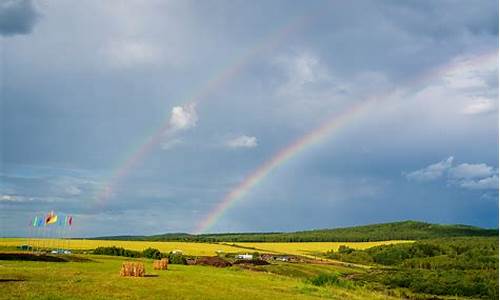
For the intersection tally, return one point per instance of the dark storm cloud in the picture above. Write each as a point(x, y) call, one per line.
point(17, 17)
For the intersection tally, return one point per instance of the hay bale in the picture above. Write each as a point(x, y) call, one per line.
point(135, 269)
point(160, 264)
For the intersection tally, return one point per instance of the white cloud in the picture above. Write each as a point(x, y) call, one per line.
point(183, 117)
point(466, 171)
point(243, 141)
point(480, 106)
point(431, 172)
point(7, 198)
point(301, 70)
point(17, 199)
point(471, 73)
point(468, 176)
point(487, 183)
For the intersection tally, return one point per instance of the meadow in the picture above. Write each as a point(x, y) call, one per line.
point(447, 268)
point(99, 279)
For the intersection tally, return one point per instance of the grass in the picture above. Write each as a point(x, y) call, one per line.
point(100, 280)
point(306, 271)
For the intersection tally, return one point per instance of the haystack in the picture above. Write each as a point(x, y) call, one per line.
point(135, 269)
point(160, 264)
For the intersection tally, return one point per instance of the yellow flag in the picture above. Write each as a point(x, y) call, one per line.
point(51, 219)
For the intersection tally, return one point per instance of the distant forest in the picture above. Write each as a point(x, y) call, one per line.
point(406, 230)
point(461, 266)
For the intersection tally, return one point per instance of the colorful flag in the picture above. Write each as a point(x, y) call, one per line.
point(35, 221)
point(60, 220)
point(51, 219)
point(70, 220)
point(40, 222)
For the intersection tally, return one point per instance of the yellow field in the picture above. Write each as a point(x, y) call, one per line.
point(201, 249)
point(312, 247)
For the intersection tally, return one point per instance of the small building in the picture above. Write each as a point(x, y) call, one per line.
point(244, 256)
point(282, 258)
point(177, 252)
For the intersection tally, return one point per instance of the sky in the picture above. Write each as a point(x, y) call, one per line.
point(141, 117)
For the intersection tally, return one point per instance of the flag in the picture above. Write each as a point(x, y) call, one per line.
point(61, 220)
point(40, 222)
point(51, 219)
point(70, 220)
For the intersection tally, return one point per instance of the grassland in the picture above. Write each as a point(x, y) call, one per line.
point(439, 269)
point(197, 249)
point(100, 280)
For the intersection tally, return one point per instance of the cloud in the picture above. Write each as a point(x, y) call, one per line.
point(469, 73)
point(480, 106)
point(243, 141)
point(431, 172)
point(17, 199)
point(7, 198)
point(465, 175)
point(301, 70)
point(183, 117)
point(488, 183)
point(466, 171)
point(17, 17)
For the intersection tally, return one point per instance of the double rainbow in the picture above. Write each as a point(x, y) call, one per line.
point(328, 128)
point(218, 80)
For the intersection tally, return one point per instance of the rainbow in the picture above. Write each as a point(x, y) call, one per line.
point(133, 159)
point(326, 129)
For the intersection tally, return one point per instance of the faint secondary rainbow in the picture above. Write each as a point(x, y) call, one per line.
point(326, 129)
point(217, 81)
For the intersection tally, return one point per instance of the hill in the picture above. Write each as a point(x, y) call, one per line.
point(405, 230)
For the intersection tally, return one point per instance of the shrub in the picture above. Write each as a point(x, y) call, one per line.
point(116, 251)
point(176, 259)
point(324, 279)
point(343, 249)
point(152, 253)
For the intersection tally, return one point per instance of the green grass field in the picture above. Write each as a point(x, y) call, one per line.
point(443, 269)
point(99, 279)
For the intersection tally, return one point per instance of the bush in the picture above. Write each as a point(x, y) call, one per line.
point(343, 249)
point(176, 259)
point(152, 253)
point(116, 251)
point(324, 279)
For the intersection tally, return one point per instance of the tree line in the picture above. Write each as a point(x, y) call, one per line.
point(406, 230)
